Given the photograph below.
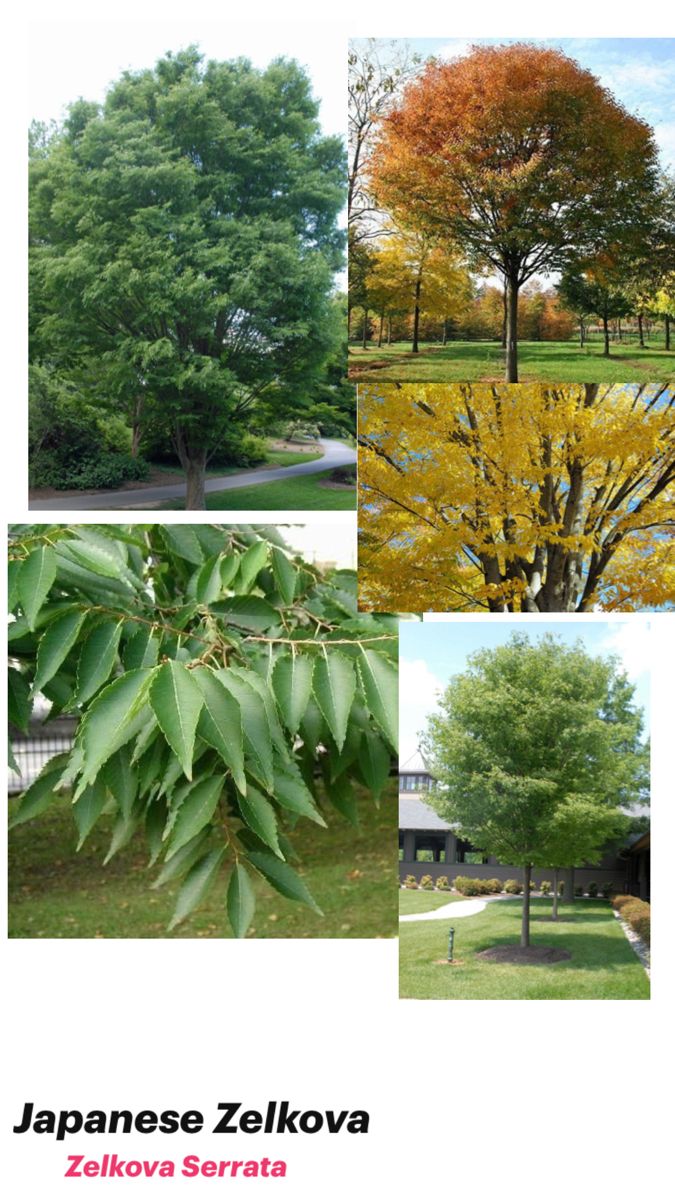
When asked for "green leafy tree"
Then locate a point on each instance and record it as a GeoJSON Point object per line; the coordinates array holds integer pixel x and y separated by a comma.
{"type": "Point", "coordinates": [225, 689]}
{"type": "Point", "coordinates": [534, 748]}
{"type": "Point", "coordinates": [184, 239]}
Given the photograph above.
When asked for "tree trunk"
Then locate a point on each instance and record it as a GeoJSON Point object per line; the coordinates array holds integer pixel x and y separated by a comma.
{"type": "Point", "coordinates": [511, 374]}
{"type": "Point", "coordinates": [582, 333]}
{"type": "Point", "coordinates": [667, 332]}
{"type": "Point", "coordinates": [445, 331]}
{"type": "Point", "coordinates": [416, 318]}
{"type": "Point", "coordinates": [525, 927]}
{"type": "Point", "coordinates": [364, 342]}
{"type": "Point", "coordinates": [618, 326]}
{"type": "Point", "coordinates": [641, 331]}
{"type": "Point", "coordinates": [379, 336]}
{"type": "Point", "coordinates": [136, 426]}
{"type": "Point", "coordinates": [504, 317]}
{"type": "Point", "coordinates": [605, 326]}
{"type": "Point", "coordinates": [195, 474]}
{"type": "Point", "coordinates": [554, 912]}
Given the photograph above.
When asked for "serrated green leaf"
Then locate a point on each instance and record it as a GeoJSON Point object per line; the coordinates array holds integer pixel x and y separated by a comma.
{"type": "Point", "coordinates": [55, 645]}
{"type": "Point", "coordinates": [35, 578]}
{"type": "Point", "coordinates": [247, 612]}
{"type": "Point", "coordinates": [37, 798]}
{"type": "Point", "coordinates": [176, 702]}
{"type": "Point", "coordinates": [208, 584]}
{"type": "Point", "coordinates": [19, 702]}
{"type": "Point", "coordinates": [229, 565]}
{"type": "Point", "coordinates": [283, 878]}
{"type": "Point", "coordinates": [255, 726]}
{"type": "Point", "coordinates": [183, 541]}
{"type": "Point", "coordinates": [259, 815]}
{"type": "Point", "coordinates": [240, 901]}
{"type": "Point", "coordinates": [251, 563]}
{"type": "Point", "coordinates": [123, 830]}
{"type": "Point", "coordinates": [155, 820]}
{"type": "Point", "coordinates": [374, 762]}
{"type": "Point", "coordinates": [197, 883]}
{"type": "Point", "coordinates": [88, 808]}
{"type": "Point", "coordinates": [292, 683]}
{"type": "Point", "coordinates": [195, 812]}
{"type": "Point", "coordinates": [284, 575]}
{"type": "Point", "coordinates": [13, 571]}
{"type": "Point", "coordinates": [341, 795]}
{"type": "Point", "coordinates": [379, 681]}
{"type": "Point", "coordinates": [97, 659]}
{"type": "Point", "coordinates": [291, 792]}
{"type": "Point", "coordinates": [182, 860]}
{"type": "Point", "coordinates": [118, 714]}
{"type": "Point", "coordinates": [122, 780]}
{"type": "Point", "coordinates": [141, 650]}
{"type": "Point", "coordinates": [312, 726]}
{"type": "Point", "coordinates": [220, 724]}
{"type": "Point", "coordinates": [334, 684]}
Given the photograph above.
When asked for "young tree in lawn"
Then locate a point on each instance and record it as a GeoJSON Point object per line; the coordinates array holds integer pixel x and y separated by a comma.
{"type": "Point", "coordinates": [223, 689]}
{"type": "Point", "coordinates": [186, 232]}
{"type": "Point", "coordinates": [521, 156]}
{"type": "Point", "coordinates": [524, 499]}
{"type": "Point", "coordinates": [597, 291]}
{"type": "Point", "coordinates": [527, 741]}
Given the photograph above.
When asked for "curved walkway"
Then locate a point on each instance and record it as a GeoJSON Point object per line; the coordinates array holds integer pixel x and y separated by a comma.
{"type": "Point", "coordinates": [335, 454]}
{"type": "Point", "coordinates": [457, 908]}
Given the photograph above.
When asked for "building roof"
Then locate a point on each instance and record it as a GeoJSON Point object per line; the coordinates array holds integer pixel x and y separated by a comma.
{"type": "Point", "coordinates": [413, 813]}
{"type": "Point", "coordinates": [415, 765]}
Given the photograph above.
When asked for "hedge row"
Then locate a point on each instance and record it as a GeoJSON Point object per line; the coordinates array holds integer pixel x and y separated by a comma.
{"type": "Point", "coordinates": [636, 912]}
{"type": "Point", "coordinates": [467, 886]}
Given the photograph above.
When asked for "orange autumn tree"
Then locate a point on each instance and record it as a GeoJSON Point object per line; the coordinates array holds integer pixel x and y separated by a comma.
{"type": "Point", "coordinates": [516, 499]}
{"type": "Point", "coordinates": [521, 157]}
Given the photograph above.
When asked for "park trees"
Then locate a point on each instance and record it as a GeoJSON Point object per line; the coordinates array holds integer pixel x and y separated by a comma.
{"type": "Point", "coordinates": [521, 157]}
{"type": "Point", "coordinates": [533, 748]}
{"type": "Point", "coordinates": [184, 241]}
{"type": "Point", "coordinates": [224, 690]}
{"type": "Point", "coordinates": [528, 498]}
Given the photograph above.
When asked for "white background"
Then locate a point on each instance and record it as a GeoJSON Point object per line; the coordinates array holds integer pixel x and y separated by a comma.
{"type": "Point", "coordinates": [470, 1099]}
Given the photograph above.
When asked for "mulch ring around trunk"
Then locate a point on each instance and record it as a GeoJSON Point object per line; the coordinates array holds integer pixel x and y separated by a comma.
{"type": "Point", "coordinates": [528, 956]}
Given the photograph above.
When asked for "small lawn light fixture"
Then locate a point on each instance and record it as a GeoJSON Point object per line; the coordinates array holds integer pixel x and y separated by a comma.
{"type": "Point", "coordinates": [451, 942]}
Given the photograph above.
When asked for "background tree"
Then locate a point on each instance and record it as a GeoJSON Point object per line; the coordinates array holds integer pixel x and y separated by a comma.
{"type": "Point", "coordinates": [225, 689]}
{"type": "Point", "coordinates": [597, 291]}
{"type": "Point", "coordinates": [521, 156]}
{"type": "Point", "coordinates": [186, 234]}
{"type": "Point", "coordinates": [528, 498]}
{"type": "Point", "coordinates": [529, 748]}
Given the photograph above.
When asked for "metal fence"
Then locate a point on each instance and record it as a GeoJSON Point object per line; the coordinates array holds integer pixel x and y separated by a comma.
{"type": "Point", "coordinates": [33, 749]}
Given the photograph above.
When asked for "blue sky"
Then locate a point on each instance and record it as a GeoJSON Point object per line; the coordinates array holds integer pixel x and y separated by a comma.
{"type": "Point", "coordinates": [640, 72]}
{"type": "Point", "coordinates": [431, 652]}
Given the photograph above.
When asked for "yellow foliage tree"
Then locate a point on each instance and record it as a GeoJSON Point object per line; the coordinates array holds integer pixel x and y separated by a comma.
{"type": "Point", "coordinates": [516, 498]}
{"type": "Point", "coordinates": [413, 273]}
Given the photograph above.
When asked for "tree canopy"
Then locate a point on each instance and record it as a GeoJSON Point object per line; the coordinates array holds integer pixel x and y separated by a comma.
{"type": "Point", "coordinates": [527, 498]}
{"type": "Point", "coordinates": [184, 240]}
{"type": "Point", "coordinates": [224, 690]}
{"type": "Point", "coordinates": [534, 747]}
{"type": "Point", "coordinates": [519, 155]}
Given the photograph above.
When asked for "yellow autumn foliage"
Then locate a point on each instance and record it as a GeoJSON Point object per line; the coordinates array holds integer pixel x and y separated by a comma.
{"type": "Point", "coordinates": [516, 497]}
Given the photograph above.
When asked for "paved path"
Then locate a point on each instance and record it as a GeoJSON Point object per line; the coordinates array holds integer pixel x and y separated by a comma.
{"type": "Point", "coordinates": [335, 454]}
{"type": "Point", "coordinates": [457, 908]}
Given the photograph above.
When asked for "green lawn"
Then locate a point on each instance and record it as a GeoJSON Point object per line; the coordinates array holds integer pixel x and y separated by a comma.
{"type": "Point", "coordinates": [56, 893]}
{"type": "Point", "coordinates": [602, 967]}
{"type": "Point", "coordinates": [556, 362]}
{"type": "Point", "coordinates": [410, 901]}
{"type": "Point", "coordinates": [300, 491]}
{"type": "Point", "coordinates": [273, 458]}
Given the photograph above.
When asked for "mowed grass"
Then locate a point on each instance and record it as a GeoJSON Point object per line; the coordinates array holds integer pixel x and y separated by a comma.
{"type": "Point", "coordinates": [298, 492]}
{"type": "Point", "coordinates": [411, 901]}
{"type": "Point", "coordinates": [552, 362]}
{"type": "Point", "coordinates": [56, 893]}
{"type": "Point", "coordinates": [602, 967]}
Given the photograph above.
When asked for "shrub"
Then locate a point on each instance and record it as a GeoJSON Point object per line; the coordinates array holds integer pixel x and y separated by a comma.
{"type": "Point", "coordinates": [466, 886]}
{"type": "Point", "coordinates": [513, 887]}
{"type": "Point", "coordinates": [442, 883]}
{"type": "Point", "coordinates": [561, 887]}
{"type": "Point", "coordinates": [104, 471]}
{"type": "Point", "coordinates": [427, 883]}
{"type": "Point", "coordinates": [636, 912]}
{"type": "Point", "coordinates": [592, 889]}
{"type": "Point", "coordinates": [410, 881]}
{"type": "Point", "coordinates": [493, 885]}
{"type": "Point", "coordinates": [533, 885]}
{"type": "Point", "coordinates": [606, 890]}
{"type": "Point", "coordinates": [578, 891]}
{"type": "Point", "coordinates": [545, 887]}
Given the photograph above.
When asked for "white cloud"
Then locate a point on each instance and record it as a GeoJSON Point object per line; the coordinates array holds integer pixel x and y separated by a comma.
{"type": "Point", "coordinates": [632, 642]}
{"type": "Point", "coordinates": [418, 694]}
{"type": "Point", "coordinates": [456, 48]}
